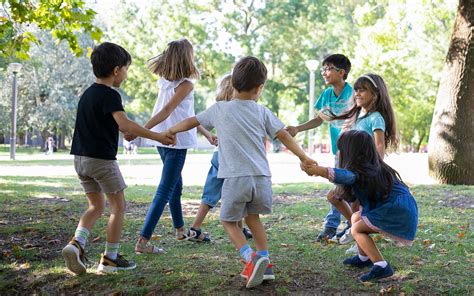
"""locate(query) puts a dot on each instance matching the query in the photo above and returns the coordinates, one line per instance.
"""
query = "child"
(337, 98)
(372, 112)
(100, 116)
(242, 126)
(387, 205)
(175, 102)
(212, 188)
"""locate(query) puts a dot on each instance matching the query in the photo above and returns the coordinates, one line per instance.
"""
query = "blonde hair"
(225, 91)
(175, 62)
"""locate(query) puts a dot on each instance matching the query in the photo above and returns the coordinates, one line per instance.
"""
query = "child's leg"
(341, 205)
(355, 206)
(360, 231)
(90, 216)
(258, 231)
(173, 162)
(201, 215)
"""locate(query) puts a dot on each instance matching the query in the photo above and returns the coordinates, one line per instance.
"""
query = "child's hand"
(307, 161)
(212, 139)
(166, 138)
(292, 130)
(129, 137)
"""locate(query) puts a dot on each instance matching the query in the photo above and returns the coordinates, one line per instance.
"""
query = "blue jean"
(211, 193)
(169, 190)
(333, 217)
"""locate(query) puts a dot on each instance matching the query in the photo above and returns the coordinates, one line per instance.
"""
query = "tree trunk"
(451, 143)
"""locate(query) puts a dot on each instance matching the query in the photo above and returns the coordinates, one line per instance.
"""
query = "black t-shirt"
(96, 132)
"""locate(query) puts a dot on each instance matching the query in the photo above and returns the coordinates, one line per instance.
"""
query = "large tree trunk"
(451, 143)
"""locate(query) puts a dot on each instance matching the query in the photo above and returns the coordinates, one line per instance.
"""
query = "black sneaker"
(326, 234)
(377, 273)
(74, 257)
(356, 262)
(108, 265)
(247, 233)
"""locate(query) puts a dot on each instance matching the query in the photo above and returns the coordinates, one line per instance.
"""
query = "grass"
(38, 216)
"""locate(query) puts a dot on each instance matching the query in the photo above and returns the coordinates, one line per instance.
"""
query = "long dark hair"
(358, 154)
(381, 104)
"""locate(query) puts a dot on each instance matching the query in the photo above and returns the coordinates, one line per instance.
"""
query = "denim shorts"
(242, 196)
(211, 193)
(99, 175)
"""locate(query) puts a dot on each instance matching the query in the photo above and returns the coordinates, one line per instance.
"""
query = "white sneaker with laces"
(346, 238)
(353, 249)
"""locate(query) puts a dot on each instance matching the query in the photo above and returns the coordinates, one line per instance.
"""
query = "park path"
(146, 169)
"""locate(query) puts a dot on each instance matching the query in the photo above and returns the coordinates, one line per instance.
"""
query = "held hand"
(324, 116)
(292, 130)
(307, 161)
(166, 138)
(129, 137)
(212, 139)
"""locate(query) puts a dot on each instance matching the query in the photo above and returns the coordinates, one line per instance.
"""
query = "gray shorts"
(242, 196)
(99, 175)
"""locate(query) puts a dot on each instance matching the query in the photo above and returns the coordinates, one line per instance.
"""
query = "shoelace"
(121, 261)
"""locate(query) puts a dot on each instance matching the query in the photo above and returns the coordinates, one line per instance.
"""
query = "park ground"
(42, 200)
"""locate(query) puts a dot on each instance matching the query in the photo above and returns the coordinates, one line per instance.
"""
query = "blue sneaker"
(377, 273)
(356, 262)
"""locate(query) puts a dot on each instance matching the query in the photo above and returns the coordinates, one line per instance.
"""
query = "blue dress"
(395, 216)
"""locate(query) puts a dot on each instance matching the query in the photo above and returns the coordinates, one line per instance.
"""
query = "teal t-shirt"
(369, 123)
(337, 105)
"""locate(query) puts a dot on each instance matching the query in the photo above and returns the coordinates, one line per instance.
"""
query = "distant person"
(337, 98)
(211, 193)
(100, 116)
(49, 146)
(242, 126)
(129, 147)
(388, 207)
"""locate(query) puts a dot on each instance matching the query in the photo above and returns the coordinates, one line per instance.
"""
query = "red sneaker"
(267, 275)
(254, 270)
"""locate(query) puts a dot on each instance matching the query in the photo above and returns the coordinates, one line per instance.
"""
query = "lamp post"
(312, 65)
(14, 68)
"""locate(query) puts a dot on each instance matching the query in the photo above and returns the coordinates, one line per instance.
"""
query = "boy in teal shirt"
(336, 98)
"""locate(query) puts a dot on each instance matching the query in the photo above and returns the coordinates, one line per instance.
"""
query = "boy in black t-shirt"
(100, 116)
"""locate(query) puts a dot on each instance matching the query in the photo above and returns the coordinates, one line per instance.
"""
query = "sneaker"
(377, 273)
(248, 234)
(342, 232)
(346, 237)
(108, 265)
(268, 275)
(352, 250)
(74, 257)
(356, 262)
(327, 233)
(254, 270)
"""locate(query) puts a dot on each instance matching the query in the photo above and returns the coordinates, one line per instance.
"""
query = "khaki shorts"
(242, 196)
(99, 175)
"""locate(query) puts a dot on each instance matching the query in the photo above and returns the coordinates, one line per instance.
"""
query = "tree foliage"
(65, 19)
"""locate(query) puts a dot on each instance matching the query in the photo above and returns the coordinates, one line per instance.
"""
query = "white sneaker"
(346, 238)
(353, 249)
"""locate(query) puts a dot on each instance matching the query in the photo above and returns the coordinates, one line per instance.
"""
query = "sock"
(382, 264)
(363, 258)
(111, 250)
(246, 253)
(81, 235)
(263, 253)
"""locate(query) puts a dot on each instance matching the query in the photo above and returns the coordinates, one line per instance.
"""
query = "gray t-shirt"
(242, 126)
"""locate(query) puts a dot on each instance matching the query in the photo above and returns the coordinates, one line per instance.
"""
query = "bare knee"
(355, 217)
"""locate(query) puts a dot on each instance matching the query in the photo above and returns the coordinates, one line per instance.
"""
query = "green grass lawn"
(39, 215)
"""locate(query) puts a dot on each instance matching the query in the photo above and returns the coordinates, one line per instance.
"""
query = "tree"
(451, 143)
(65, 19)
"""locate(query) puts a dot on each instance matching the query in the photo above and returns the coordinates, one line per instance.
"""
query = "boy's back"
(242, 127)
(96, 131)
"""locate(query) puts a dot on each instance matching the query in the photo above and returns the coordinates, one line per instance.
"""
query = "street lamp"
(312, 66)
(14, 68)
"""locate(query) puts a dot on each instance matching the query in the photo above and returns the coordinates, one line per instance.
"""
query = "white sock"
(382, 264)
(363, 258)
(81, 235)
(111, 250)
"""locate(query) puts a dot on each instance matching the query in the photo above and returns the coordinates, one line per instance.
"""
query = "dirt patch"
(449, 199)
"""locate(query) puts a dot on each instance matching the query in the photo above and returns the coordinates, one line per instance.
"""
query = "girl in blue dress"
(386, 204)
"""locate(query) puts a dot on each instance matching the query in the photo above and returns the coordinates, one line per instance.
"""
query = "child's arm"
(184, 125)
(284, 136)
(379, 139)
(127, 126)
(181, 92)
(209, 136)
(313, 123)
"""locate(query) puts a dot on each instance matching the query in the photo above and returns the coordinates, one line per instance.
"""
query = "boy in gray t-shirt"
(242, 126)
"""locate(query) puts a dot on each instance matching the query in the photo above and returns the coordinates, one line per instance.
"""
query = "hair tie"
(370, 79)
